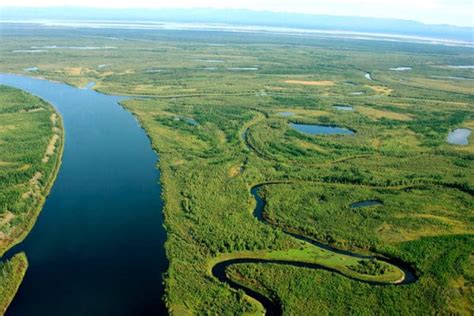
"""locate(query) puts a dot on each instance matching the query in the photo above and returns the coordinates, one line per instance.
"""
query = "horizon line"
(232, 9)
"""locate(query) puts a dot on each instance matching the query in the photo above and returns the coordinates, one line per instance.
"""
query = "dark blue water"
(366, 203)
(314, 129)
(97, 246)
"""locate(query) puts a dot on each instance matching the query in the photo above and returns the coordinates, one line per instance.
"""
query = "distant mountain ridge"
(247, 17)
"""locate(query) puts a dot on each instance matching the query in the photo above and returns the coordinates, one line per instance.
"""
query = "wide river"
(97, 246)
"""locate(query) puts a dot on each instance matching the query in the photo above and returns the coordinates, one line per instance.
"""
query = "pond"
(31, 69)
(366, 203)
(452, 78)
(243, 68)
(401, 68)
(187, 120)
(97, 246)
(343, 107)
(74, 47)
(314, 129)
(286, 113)
(210, 60)
(459, 136)
(29, 51)
(368, 76)
(461, 67)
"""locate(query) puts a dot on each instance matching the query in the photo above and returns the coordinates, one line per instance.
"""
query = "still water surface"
(314, 129)
(97, 247)
(459, 136)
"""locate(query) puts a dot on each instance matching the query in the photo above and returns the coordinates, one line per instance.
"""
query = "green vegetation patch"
(31, 143)
(399, 155)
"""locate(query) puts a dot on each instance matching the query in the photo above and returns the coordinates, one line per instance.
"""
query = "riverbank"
(19, 265)
(33, 215)
(15, 265)
(107, 185)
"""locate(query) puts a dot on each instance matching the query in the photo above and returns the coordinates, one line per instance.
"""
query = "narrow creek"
(272, 304)
(97, 246)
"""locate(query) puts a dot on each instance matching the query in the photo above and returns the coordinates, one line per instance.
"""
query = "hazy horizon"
(431, 12)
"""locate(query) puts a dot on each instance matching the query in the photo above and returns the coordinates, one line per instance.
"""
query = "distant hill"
(247, 17)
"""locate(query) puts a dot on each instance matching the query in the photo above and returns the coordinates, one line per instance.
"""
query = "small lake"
(314, 129)
(209, 60)
(97, 246)
(31, 69)
(357, 93)
(286, 114)
(343, 107)
(74, 47)
(451, 78)
(461, 67)
(187, 120)
(151, 71)
(366, 203)
(29, 51)
(368, 76)
(459, 136)
(243, 68)
(401, 68)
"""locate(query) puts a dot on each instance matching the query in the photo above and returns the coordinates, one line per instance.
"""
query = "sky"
(454, 12)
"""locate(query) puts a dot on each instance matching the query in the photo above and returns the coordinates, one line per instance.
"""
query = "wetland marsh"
(254, 187)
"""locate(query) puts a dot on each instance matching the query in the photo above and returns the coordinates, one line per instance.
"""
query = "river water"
(97, 246)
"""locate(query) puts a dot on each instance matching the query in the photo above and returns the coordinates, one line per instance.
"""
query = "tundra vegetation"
(219, 133)
(30, 150)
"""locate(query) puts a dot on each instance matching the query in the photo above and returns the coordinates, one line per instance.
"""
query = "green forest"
(30, 154)
(218, 109)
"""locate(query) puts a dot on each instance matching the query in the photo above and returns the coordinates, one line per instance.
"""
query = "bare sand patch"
(54, 119)
(73, 71)
(38, 109)
(6, 218)
(274, 88)
(234, 171)
(24, 167)
(34, 186)
(50, 149)
(311, 83)
(381, 90)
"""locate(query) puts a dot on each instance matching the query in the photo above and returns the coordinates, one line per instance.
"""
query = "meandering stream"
(271, 304)
(97, 246)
